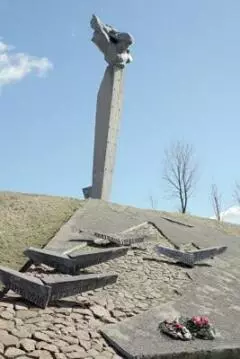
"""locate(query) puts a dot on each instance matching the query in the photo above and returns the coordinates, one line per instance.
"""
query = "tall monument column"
(115, 47)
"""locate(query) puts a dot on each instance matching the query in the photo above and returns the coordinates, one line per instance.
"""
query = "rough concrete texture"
(69, 328)
(109, 103)
(111, 218)
(213, 291)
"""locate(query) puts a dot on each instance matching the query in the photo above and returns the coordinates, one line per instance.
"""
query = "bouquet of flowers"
(185, 328)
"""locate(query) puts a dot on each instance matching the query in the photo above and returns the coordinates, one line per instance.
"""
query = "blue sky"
(184, 84)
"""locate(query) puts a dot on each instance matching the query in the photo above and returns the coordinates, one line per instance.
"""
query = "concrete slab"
(214, 292)
(139, 338)
(72, 263)
(110, 218)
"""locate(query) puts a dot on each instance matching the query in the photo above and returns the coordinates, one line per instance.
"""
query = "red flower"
(178, 326)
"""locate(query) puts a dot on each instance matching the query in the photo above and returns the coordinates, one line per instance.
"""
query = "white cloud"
(14, 66)
(231, 215)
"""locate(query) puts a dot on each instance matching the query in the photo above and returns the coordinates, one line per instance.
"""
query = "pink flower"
(200, 321)
(205, 320)
(196, 320)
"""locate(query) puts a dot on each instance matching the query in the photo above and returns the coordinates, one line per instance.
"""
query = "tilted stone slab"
(30, 288)
(193, 257)
(140, 338)
(92, 258)
(65, 287)
(119, 239)
(60, 262)
(42, 291)
(72, 263)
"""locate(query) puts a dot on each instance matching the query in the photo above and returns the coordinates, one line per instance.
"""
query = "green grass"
(30, 220)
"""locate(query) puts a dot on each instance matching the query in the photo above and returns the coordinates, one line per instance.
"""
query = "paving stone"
(13, 353)
(6, 314)
(21, 332)
(82, 335)
(1, 348)
(42, 337)
(31, 328)
(77, 317)
(77, 354)
(43, 325)
(83, 311)
(20, 306)
(25, 314)
(60, 356)
(6, 305)
(46, 346)
(28, 344)
(68, 339)
(106, 354)
(60, 343)
(95, 323)
(101, 312)
(41, 354)
(86, 344)
(97, 346)
(18, 321)
(92, 352)
(7, 339)
(66, 311)
(70, 348)
(6, 324)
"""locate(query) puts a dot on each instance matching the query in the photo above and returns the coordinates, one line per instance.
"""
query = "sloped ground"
(30, 220)
(69, 328)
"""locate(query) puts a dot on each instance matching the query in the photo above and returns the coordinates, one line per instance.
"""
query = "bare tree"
(237, 193)
(216, 201)
(180, 172)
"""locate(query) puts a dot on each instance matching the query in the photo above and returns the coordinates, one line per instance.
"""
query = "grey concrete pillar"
(109, 104)
(114, 45)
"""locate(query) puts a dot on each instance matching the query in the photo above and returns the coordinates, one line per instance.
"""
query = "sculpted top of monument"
(112, 43)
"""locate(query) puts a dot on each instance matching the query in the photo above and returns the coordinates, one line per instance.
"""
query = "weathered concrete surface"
(214, 290)
(46, 288)
(72, 263)
(109, 103)
(110, 218)
(139, 337)
(144, 281)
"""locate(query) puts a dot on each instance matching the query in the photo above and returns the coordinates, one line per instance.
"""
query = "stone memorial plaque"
(84, 260)
(71, 263)
(193, 257)
(28, 287)
(52, 287)
(68, 286)
(59, 261)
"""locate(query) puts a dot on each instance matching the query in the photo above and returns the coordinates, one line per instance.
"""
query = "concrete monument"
(115, 47)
